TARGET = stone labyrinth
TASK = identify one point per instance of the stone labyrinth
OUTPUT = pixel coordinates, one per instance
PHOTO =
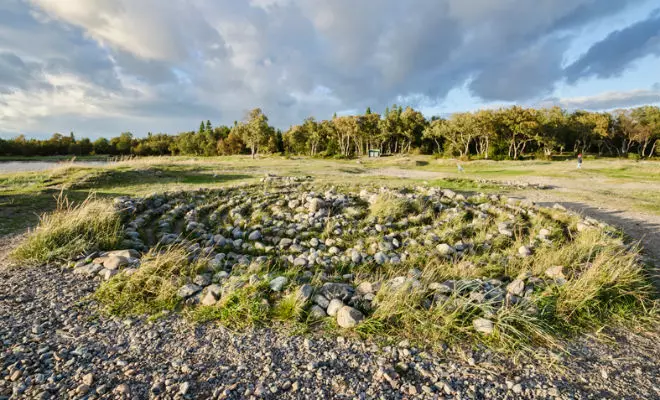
(339, 249)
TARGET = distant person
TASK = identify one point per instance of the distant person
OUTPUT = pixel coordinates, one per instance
(460, 169)
(579, 160)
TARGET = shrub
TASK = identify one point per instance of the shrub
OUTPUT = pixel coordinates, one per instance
(69, 231)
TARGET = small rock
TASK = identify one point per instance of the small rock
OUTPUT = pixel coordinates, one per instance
(202, 280)
(321, 301)
(123, 390)
(349, 317)
(278, 283)
(334, 306)
(82, 389)
(380, 258)
(115, 262)
(364, 288)
(305, 292)
(524, 251)
(483, 325)
(184, 388)
(88, 379)
(445, 249)
(188, 290)
(556, 272)
(517, 287)
(316, 312)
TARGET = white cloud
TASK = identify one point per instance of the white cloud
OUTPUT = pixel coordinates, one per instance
(164, 65)
(608, 100)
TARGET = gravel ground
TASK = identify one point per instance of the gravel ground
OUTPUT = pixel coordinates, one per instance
(56, 344)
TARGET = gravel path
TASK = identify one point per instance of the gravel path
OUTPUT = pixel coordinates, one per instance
(56, 344)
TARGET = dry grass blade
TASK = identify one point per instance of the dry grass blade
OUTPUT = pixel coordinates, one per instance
(69, 231)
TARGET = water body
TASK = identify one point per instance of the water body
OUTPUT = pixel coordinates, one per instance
(26, 166)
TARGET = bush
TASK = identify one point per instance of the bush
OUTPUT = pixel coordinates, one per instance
(71, 231)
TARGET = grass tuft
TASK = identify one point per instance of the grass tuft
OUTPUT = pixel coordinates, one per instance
(69, 231)
(242, 308)
(152, 288)
(289, 308)
(388, 205)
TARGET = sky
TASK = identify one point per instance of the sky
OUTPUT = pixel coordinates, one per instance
(101, 67)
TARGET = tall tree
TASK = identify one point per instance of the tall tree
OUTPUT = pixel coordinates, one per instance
(254, 131)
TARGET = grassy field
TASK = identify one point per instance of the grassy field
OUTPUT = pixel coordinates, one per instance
(623, 184)
(613, 289)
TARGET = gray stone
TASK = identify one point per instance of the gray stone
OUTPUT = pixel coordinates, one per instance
(341, 291)
(316, 204)
(334, 306)
(442, 288)
(236, 233)
(356, 257)
(188, 290)
(524, 251)
(305, 292)
(90, 269)
(254, 236)
(202, 280)
(445, 249)
(107, 274)
(300, 262)
(322, 301)
(380, 258)
(483, 325)
(129, 253)
(348, 317)
(317, 312)
(397, 283)
(278, 283)
(364, 288)
(215, 289)
(516, 288)
(115, 262)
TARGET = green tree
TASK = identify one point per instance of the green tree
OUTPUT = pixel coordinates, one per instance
(254, 131)
(101, 146)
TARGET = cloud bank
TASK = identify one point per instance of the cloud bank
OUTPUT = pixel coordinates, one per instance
(103, 66)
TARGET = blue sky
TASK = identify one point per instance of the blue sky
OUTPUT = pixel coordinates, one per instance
(100, 67)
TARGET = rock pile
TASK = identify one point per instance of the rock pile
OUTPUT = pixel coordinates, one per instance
(288, 224)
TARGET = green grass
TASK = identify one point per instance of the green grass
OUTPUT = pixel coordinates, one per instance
(388, 205)
(153, 287)
(243, 308)
(70, 231)
(606, 286)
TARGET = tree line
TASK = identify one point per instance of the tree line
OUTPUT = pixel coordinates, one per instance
(506, 133)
